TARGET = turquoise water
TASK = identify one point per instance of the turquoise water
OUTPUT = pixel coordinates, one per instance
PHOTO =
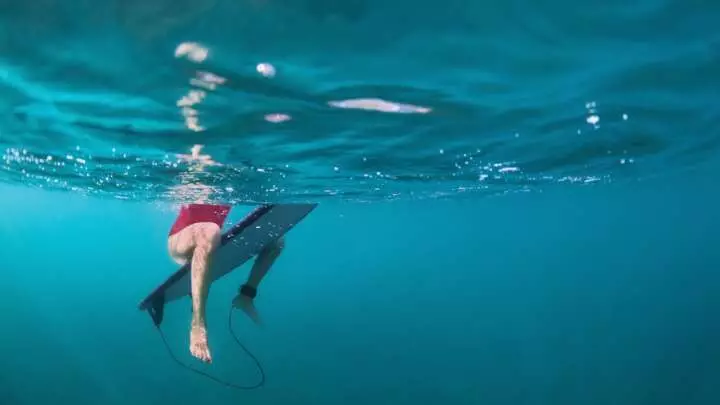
(518, 201)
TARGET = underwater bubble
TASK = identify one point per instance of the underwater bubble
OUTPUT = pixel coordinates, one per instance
(266, 69)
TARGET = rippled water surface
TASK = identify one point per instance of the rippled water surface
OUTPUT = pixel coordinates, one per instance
(261, 100)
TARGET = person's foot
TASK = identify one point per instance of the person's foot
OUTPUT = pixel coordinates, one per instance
(199, 343)
(246, 305)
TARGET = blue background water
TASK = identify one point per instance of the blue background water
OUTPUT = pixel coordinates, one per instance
(593, 296)
(500, 248)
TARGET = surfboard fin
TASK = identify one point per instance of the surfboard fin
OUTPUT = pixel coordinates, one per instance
(157, 309)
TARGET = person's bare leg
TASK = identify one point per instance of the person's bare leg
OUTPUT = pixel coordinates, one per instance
(264, 261)
(207, 238)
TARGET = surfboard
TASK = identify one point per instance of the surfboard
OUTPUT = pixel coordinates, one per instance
(239, 244)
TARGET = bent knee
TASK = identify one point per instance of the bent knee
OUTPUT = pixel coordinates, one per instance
(207, 234)
(179, 259)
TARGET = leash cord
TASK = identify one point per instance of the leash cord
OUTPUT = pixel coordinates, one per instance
(259, 366)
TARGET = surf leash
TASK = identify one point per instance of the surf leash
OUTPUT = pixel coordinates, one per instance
(259, 366)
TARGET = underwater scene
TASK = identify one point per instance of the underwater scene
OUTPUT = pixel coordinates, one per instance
(359, 202)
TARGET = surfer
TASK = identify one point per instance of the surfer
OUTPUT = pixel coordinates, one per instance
(194, 237)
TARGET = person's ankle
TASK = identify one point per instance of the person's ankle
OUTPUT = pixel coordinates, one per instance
(248, 291)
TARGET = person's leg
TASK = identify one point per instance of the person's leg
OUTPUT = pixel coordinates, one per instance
(264, 261)
(181, 245)
(198, 242)
(207, 238)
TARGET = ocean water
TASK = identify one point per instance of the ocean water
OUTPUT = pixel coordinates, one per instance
(517, 200)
